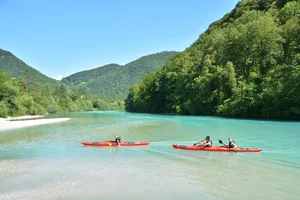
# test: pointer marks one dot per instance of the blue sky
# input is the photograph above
(61, 37)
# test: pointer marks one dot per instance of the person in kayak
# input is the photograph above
(231, 144)
(207, 142)
(118, 139)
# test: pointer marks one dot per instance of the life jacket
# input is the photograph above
(230, 144)
(210, 142)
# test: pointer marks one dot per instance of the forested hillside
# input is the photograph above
(247, 64)
(15, 67)
(112, 82)
(88, 75)
(17, 98)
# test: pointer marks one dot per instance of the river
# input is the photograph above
(48, 161)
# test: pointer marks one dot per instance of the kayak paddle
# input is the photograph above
(220, 141)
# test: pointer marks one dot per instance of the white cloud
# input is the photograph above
(59, 77)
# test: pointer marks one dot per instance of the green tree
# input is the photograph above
(3, 109)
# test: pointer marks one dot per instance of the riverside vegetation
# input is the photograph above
(244, 65)
(17, 97)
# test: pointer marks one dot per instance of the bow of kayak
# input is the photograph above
(215, 148)
(108, 143)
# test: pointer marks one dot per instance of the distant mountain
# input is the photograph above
(113, 81)
(85, 76)
(15, 67)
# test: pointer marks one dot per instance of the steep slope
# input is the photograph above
(114, 81)
(15, 67)
(247, 64)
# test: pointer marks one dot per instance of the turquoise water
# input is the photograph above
(48, 161)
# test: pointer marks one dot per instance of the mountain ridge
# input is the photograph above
(15, 67)
(115, 83)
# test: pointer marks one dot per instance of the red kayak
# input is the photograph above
(109, 143)
(215, 148)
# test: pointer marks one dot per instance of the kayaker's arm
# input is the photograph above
(202, 141)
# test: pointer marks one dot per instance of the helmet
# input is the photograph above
(207, 137)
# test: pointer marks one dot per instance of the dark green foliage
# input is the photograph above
(245, 65)
(108, 105)
(27, 105)
(3, 109)
(14, 67)
(112, 82)
(290, 10)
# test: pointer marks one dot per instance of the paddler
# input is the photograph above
(231, 144)
(206, 142)
(118, 139)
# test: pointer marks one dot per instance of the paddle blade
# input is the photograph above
(220, 141)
